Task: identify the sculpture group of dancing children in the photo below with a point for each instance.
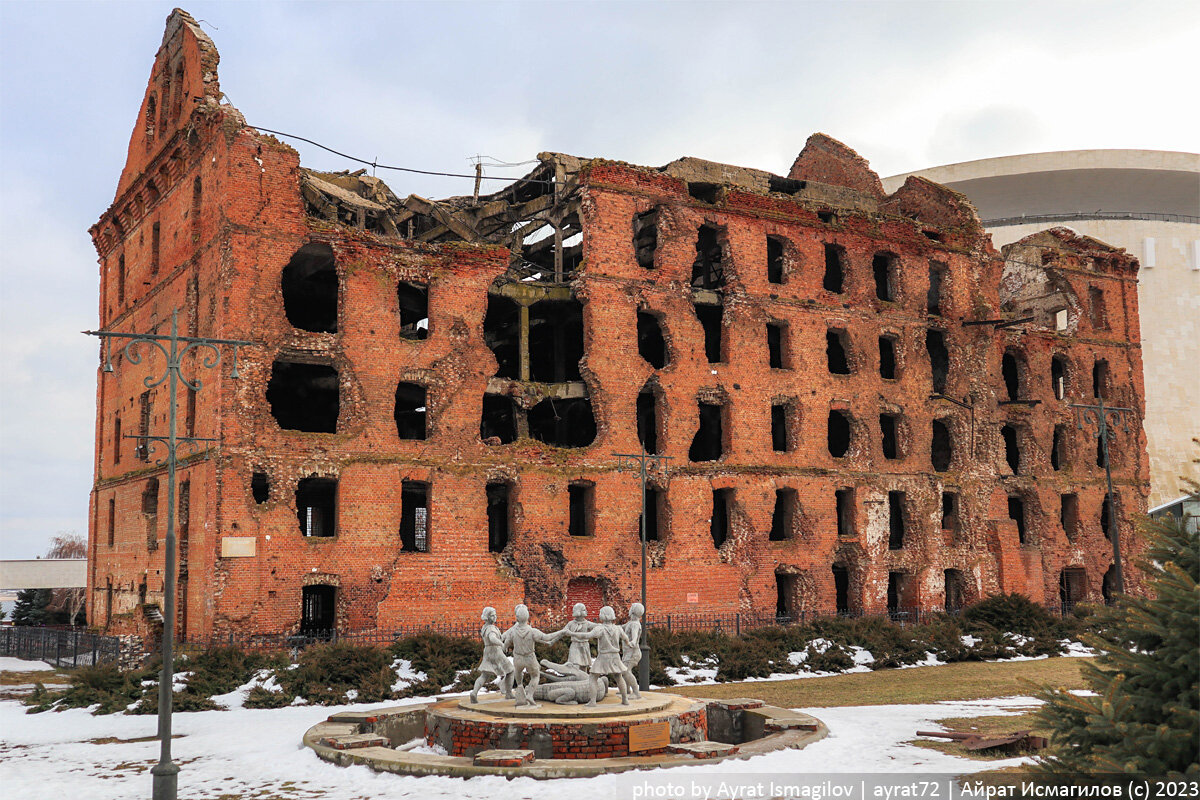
(581, 679)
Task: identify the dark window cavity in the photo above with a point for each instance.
(1068, 515)
(785, 516)
(197, 195)
(563, 423)
(142, 448)
(883, 267)
(1072, 586)
(414, 517)
(260, 487)
(1106, 513)
(708, 443)
(835, 273)
(844, 500)
(155, 248)
(775, 250)
(837, 347)
(719, 526)
(937, 282)
(310, 289)
(647, 420)
(780, 437)
(112, 521)
(708, 270)
(150, 512)
(887, 357)
(1058, 448)
(318, 610)
(1016, 512)
(1058, 376)
(950, 517)
(117, 439)
(555, 341)
(645, 237)
(941, 451)
(304, 397)
(1012, 448)
(498, 422)
(1013, 373)
(897, 593)
(939, 359)
(896, 520)
(954, 590)
(498, 515)
(654, 500)
(502, 335)
(710, 317)
(839, 434)
(1108, 584)
(1100, 378)
(889, 431)
(414, 309)
(1096, 309)
(316, 506)
(581, 497)
(785, 596)
(841, 588)
(777, 345)
(121, 280)
(410, 410)
(703, 191)
(651, 345)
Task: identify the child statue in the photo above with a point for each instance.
(609, 638)
(578, 628)
(523, 637)
(495, 664)
(631, 653)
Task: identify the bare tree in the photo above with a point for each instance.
(69, 600)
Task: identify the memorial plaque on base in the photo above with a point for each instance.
(650, 736)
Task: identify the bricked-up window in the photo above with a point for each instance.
(896, 503)
(950, 518)
(710, 317)
(955, 590)
(708, 270)
(1100, 378)
(709, 442)
(889, 425)
(563, 423)
(1058, 448)
(194, 215)
(647, 420)
(502, 335)
(1012, 369)
(318, 610)
(1072, 586)
(310, 289)
(835, 271)
(260, 487)
(414, 517)
(721, 512)
(841, 589)
(121, 280)
(845, 503)
(787, 588)
(838, 433)
(413, 299)
(112, 521)
(883, 267)
(775, 251)
(780, 437)
(581, 496)
(116, 438)
(316, 506)
(837, 350)
(887, 357)
(499, 515)
(939, 359)
(654, 501)
(651, 345)
(1012, 448)
(941, 449)
(777, 345)
(1058, 376)
(1096, 310)
(150, 513)
(410, 411)
(498, 422)
(1016, 512)
(1068, 515)
(555, 340)
(155, 248)
(937, 282)
(304, 397)
(785, 517)
(645, 237)
(142, 448)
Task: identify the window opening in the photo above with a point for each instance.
(498, 421)
(1100, 378)
(498, 515)
(777, 345)
(647, 420)
(1058, 448)
(784, 516)
(581, 497)
(413, 300)
(839, 434)
(304, 397)
(189, 417)
(310, 289)
(260, 487)
(318, 610)
(844, 500)
(555, 340)
(197, 194)
(1108, 584)
(1058, 376)
(1068, 515)
(888, 424)
(779, 428)
(316, 506)
(834, 280)
(887, 357)
(1011, 372)
(895, 520)
(112, 521)
(883, 267)
(651, 345)
(841, 589)
(710, 317)
(1105, 518)
(1072, 586)
(117, 439)
(502, 335)
(708, 443)
(563, 423)
(1016, 512)
(1096, 308)
(719, 527)
(950, 512)
(121, 280)
(155, 247)
(896, 593)
(954, 590)
(941, 449)
(645, 237)
(410, 411)
(837, 346)
(785, 594)
(654, 497)
(775, 250)
(414, 517)
(142, 448)
(708, 270)
(1012, 448)
(937, 280)
(703, 191)
(939, 359)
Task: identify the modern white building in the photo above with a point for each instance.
(1148, 202)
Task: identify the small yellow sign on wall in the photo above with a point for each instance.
(650, 736)
(238, 546)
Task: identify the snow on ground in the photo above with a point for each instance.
(9, 664)
(247, 752)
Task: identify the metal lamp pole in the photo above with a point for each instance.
(1099, 415)
(173, 349)
(640, 463)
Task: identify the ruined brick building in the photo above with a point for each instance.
(865, 405)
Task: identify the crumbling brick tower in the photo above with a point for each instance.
(865, 406)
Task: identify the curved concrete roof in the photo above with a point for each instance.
(1073, 182)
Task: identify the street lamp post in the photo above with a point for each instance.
(640, 463)
(1099, 415)
(173, 349)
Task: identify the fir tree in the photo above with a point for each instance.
(1145, 717)
(30, 608)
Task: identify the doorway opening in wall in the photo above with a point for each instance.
(786, 588)
(1072, 586)
(498, 515)
(841, 589)
(954, 590)
(498, 420)
(318, 614)
(897, 600)
(414, 517)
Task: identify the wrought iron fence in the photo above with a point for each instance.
(59, 647)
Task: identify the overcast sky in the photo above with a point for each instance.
(906, 84)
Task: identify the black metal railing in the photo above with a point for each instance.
(59, 647)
